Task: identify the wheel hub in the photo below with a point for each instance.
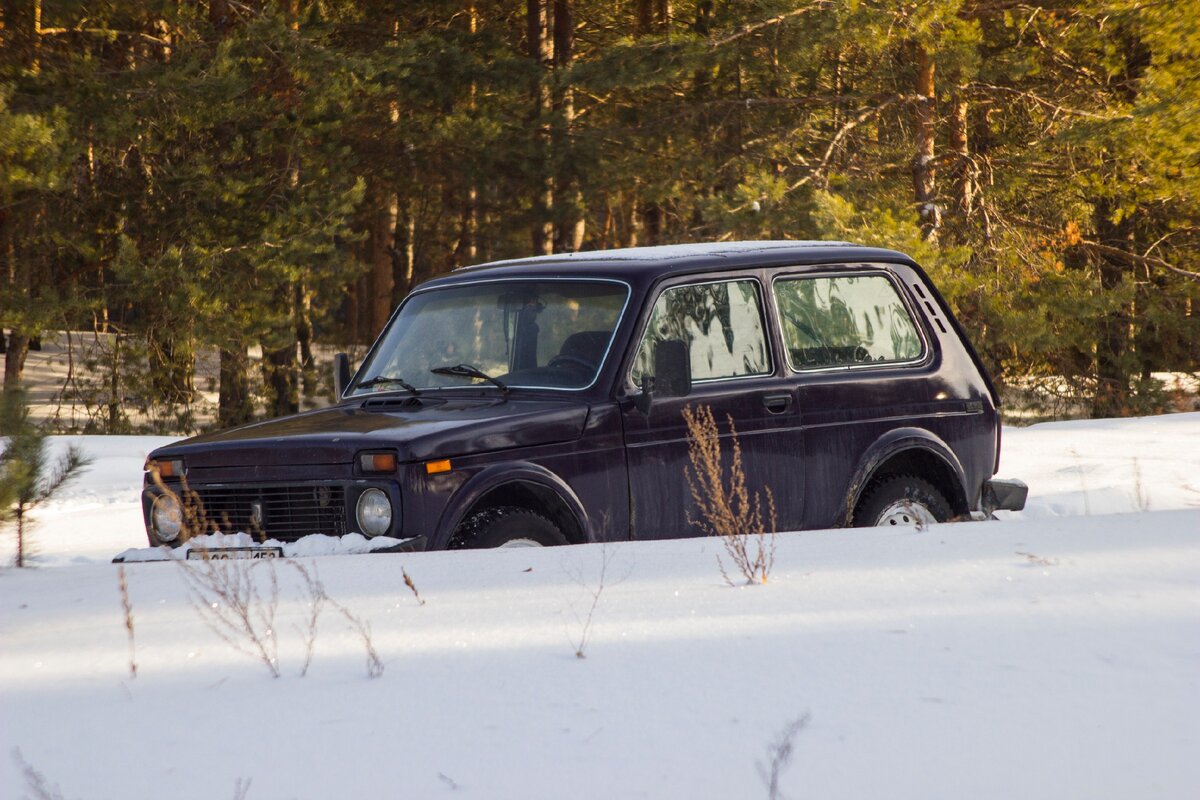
(521, 543)
(906, 512)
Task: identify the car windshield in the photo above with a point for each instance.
(523, 334)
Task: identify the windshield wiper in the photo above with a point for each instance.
(382, 379)
(467, 371)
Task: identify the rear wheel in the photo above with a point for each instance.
(901, 500)
(507, 526)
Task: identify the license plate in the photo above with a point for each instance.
(222, 553)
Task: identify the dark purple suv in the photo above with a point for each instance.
(539, 401)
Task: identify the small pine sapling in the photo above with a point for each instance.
(26, 480)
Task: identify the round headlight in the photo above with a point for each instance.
(374, 512)
(166, 515)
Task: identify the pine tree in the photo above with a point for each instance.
(24, 481)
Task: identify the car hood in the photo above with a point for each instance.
(417, 428)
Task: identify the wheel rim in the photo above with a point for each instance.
(906, 512)
(522, 543)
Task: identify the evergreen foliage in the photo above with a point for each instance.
(260, 173)
(24, 481)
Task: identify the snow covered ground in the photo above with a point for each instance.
(1055, 654)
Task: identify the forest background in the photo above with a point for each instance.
(244, 176)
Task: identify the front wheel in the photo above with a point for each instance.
(901, 500)
(507, 526)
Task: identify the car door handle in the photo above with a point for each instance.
(777, 403)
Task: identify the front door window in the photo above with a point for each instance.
(722, 324)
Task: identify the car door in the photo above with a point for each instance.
(726, 327)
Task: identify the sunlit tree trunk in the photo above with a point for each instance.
(568, 201)
(538, 42)
(963, 170)
(923, 168)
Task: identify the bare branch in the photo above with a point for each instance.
(1116, 253)
(1059, 109)
(746, 30)
(105, 32)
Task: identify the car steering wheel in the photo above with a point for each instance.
(562, 360)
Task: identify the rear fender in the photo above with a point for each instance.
(897, 442)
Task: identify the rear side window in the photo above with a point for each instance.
(722, 324)
(843, 320)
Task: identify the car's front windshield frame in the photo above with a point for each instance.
(364, 372)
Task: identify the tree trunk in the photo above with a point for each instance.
(644, 11)
(568, 201)
(923, 170)
(353, 311)
(1113, 365)
(471, 212)
(14, 359)
(662, 16)
(963, 171)
(405, 237)
(20, 515)
(171, 370)
(542, 232)
(234, 406)
(652, 223)
(304, 338)
(365, 332)
(219, 15)
(384, 208)
(280, 378)
(653, 16)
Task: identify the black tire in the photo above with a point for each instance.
(495, 527)
(917, 493)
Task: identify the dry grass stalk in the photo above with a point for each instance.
(1081, 470)
(726, 507)
(316, 602)
(127, 606)
(409, 583)
(228, 600)
(1140, 496)
(241, 788)
(318, 597)
(363, 628)
(226, 595)
(779, 755)
(581, 642)
(39, 788)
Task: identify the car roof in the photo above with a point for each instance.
(641, 263)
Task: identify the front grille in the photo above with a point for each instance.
(287, 512)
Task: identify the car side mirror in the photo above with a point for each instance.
(644, 400)
(672, 368)
(341, 375)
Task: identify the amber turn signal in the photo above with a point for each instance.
(377, 462)
(166, 469)
(434, 467)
